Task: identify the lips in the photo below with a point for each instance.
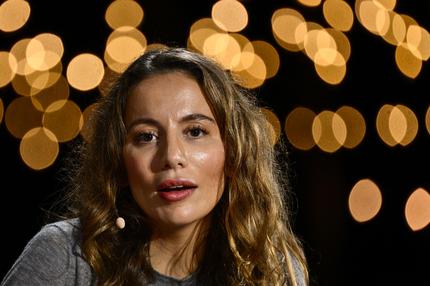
(173, 190)
(170, 185)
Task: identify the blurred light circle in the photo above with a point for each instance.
(298, 128)
(21, 116)
(39, 148)
(64, 119)
(85, 71)
(267, 53)
(310, 3)
(1, 110)
(417, 209)
(329, 131)
(289, 28)
(230, 15)
(124, 13)
(44, 51)
(201, 30)
(273, 124)
(13, 15)
(365, 200)
(355, 125)
(8, 67)
(338, 14)
(60, 90)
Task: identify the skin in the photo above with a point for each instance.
(172, 134)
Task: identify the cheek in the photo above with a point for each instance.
(135, 167)
(211, 164)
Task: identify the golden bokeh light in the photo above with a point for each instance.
(343, 46)
(407, 62)
(396, 31)
(223, 48)
(21, 86)
(333, 73)
(44, 51)
(1, 110)
(329, 131)
(85, 71)
(409, 21)
(418, 42)
(255, 75)
(365, 200)
(124, 49)
(273, 124)
(230, 15)
(246, 57)
(243, 42)
(87, 121)
(123, 46)
(355, 126)
(39, 80)
(338, 14)
(411, 124)
(8, 67)
(267, 53)
(373, 16)
(382, 125)
(64, 119)
(387, 4)
(13, 15)
(310, 3)
(124, 13)
(18, 51)
(114, 65)
(396, 125)
(289, 29)
(327, 57)
(298, 128)
(39, 148)
(35, 53)
(108, 80)
(21, 116)
(200, 31)
(427, 119)
(317, 40)
(417, 209)
(60, 90)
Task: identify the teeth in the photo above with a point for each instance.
(176, 187)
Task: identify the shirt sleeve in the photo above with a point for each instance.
(44, 261)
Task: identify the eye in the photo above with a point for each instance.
(146, 137)
(196, 131)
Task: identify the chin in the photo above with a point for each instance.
(181, 219)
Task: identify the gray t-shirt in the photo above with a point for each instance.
(53, 257)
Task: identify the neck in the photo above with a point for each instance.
(172, 251)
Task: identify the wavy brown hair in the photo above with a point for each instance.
(249, 240)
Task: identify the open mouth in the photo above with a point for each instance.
(176, 185)
(176, 188)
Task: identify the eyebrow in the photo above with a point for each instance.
(189, 117)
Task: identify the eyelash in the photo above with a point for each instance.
(203, 130)
(140, 136)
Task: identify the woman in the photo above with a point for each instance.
(177, 185)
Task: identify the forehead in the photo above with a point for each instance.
(174, 93)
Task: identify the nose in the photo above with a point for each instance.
(173, 152)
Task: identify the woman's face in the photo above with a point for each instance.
(173, 154)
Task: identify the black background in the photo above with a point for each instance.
(340, 251)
